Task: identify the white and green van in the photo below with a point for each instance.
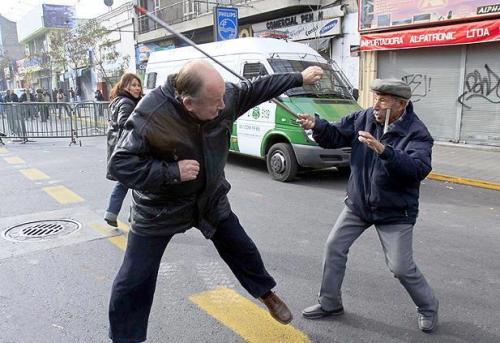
(270, 131)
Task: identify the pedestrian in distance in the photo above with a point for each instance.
(46, 96)
(72, 95)
(54, 95)
(60, 95)
(60, 102)
(27, 110)
(391, 155)
(11, 96)
(2, 100)
(98, 95)
(124, 97)
(172, 153)
(27, 96)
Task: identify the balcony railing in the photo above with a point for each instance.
(183, 11)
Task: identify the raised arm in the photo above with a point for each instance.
(247, 94)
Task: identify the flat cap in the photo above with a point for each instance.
(391, 87)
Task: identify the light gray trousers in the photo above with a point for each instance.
(396, 240)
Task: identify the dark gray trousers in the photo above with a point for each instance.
(396, 240)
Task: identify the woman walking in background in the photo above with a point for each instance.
(124, 97)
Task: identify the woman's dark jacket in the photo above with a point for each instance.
(161, 132)
(382, 189)
(120, 109)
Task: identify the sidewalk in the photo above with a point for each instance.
(470, 165)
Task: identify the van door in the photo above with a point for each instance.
(251, 127)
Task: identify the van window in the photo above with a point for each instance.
(331, 85)
(251, 70)
(151, 80)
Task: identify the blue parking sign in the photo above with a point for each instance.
(226, 23)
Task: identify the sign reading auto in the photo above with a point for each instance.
(474, 32)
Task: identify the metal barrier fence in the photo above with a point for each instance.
(53, 120)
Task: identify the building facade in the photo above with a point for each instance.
(10, 51)
(330, 27)
(36, 69)
(120, 25)
(448, 53)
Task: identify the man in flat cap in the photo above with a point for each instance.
(391, 155)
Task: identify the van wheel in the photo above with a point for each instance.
(281, 162)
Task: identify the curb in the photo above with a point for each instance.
(464, 181)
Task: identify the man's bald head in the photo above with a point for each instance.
(201, 89)
(194, 76)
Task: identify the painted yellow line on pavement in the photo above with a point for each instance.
(251, 322)
(14, 160)
(63, 195)
(123, 226)
(119, 241)
(464, 181)
(34, 174)
(3, 151)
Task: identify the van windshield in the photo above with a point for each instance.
(331, 84)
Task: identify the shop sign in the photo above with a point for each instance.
(312, 30)
(58, 16)
(376, 15)
(143, 50)
(475, 32)
(226, 23)
(32, 64)
(354, 50)
(299, 19)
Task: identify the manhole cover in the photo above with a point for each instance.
(41, 230)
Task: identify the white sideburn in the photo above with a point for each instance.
(386, 124)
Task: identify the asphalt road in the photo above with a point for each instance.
(58, 291)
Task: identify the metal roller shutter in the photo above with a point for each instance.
(434, 75)
(481, 95)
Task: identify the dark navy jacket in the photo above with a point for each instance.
(382, 189)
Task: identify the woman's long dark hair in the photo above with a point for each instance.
(124, 82)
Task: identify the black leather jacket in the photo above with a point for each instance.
(161, 132)
(120, 109)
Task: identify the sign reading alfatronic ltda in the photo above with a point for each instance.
(225, 23)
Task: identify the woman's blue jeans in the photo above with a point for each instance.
(118, 194)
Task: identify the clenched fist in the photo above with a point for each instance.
(189, 170)
(311, 75)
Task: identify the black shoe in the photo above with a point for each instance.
(316, 312)
(428, 323)
(111, 222)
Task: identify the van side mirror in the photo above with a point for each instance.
(355, 93)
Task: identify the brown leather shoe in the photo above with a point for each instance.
(277, 308)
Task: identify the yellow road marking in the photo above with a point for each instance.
(123, 226)
(248, 320)
(3, 151)
(464, 181)
(34, 174)
(119, 241)
(14, 160)
(63, 195)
